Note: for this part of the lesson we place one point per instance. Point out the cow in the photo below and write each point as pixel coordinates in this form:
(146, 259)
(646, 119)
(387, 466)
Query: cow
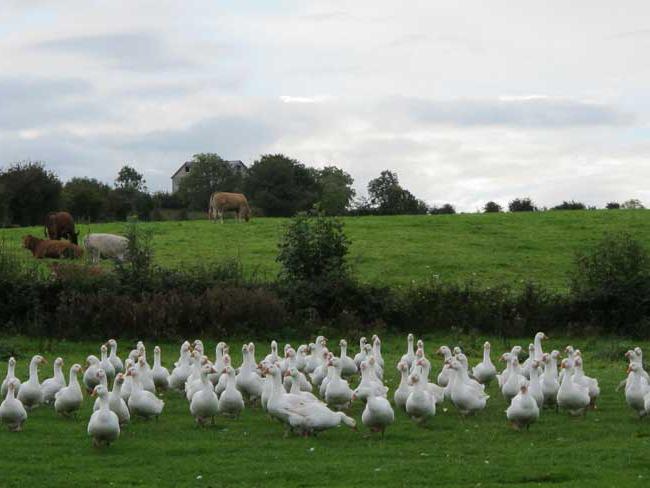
(106, 245)
(44, 248)
(223, 201)
(60, 225)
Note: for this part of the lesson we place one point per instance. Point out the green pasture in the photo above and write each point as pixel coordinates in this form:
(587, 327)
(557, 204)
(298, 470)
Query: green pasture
(396, 250)
(610, 447)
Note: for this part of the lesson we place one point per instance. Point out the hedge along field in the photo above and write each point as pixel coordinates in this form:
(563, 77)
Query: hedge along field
(609, 447)
(396, 250)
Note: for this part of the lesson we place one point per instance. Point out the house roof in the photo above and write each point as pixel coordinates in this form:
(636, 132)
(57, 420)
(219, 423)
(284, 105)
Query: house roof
(235, 163)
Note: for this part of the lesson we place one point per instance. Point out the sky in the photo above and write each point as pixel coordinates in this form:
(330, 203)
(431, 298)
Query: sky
(468, 101)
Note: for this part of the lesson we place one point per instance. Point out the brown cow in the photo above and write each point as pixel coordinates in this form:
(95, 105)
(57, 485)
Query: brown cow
(60, 225)
(223, 201)
(43, 248)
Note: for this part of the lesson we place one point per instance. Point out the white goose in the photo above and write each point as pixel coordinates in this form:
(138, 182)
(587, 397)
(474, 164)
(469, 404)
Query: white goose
(420, 404)
(404, 389)
(636, 390)
(51, 385)
(101, 376)
(550, 384)
(11, 375)
(409, 357)
(159, 374)
(143, 403)
(514, 380)
(205, 404)
(105, 363)
(376, 352)
(146, 375)
(438, 392)
(301, 357)
(534, 388)
(378, 414)
(69, 399)
(194, 382)
(127, 386)
(635, 357)
(485, 371)
(466, 399)
(361, 355)
(273, 356)
(90, 379)
(338, 393)
(348, 366)
(31, 394)
(248, 381)
(12, 411)
(115, 401)
(218, 365)
(445, 373)
(223, 377)
(295, 386)
(182, 369)
(104, 425)
(571, 396)
(523, 409)
(581, 379)
(114, 358)
(231, 401)
(368, 382)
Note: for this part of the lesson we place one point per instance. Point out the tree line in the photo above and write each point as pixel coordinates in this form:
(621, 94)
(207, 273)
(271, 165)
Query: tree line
(276, 186)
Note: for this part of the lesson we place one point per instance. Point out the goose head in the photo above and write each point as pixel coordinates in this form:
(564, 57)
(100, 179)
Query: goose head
(541, 336)
(343, 343)
(104, 350)
(119, 379)
(100, 391)
(402, 367)
(76, 368)
(92, 360)
(58, 362)
(38, 360)
(486, 346)
(442, 351)
(112, 343)
(516, 351)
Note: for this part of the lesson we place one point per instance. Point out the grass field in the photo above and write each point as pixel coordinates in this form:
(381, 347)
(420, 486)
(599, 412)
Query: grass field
(610, 447)
(491, 248)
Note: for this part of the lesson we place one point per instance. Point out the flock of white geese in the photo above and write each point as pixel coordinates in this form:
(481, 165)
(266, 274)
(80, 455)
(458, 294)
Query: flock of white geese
(308, 388)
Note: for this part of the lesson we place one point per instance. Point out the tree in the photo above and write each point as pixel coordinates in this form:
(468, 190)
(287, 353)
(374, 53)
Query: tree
(336, 192)
(389, 198)
(130, 180)
(492, 207)
(572, 205)
(633, 204)
(613, 206)
(209, 173)
(279, 186)
(522, 205)
(446, 209)
(163, 199)
(86, 198)
(30, 192)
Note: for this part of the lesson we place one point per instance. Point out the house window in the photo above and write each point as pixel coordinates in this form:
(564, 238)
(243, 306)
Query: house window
(187, 168)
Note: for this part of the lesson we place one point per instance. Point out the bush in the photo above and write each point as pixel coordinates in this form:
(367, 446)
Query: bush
(572, 205)
(613, 206)
(445, 209)
(611, 283)
(633, 204)
(522, 205)
(136, 272)
(492, 207)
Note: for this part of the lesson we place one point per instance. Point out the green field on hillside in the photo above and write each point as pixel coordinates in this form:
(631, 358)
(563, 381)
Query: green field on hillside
(490, 248)
(609, 447)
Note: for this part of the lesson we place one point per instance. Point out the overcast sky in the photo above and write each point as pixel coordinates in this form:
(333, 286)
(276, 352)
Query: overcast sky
(467, 100)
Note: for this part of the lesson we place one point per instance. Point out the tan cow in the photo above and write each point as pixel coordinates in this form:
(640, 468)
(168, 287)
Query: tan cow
(221, 202)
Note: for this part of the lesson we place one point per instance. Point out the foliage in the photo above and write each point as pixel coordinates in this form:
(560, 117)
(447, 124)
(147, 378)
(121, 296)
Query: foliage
(522, 205)
(492, 207)
(129, 180)
(137, 270)
(86, 199)
(446, 209)
(632, 204)
(209, 173)
(281, 186)
(613, 280)
(163, 199)
(387, 196)
(613, 206)
(570, 205)
(30, 192)
(336, 192)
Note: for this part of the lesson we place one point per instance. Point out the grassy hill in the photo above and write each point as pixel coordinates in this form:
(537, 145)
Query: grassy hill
(491, 248)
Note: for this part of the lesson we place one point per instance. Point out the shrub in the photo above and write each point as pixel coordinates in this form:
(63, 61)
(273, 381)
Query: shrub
(447, 208)
(136, 271)
(613, 206)
(611, 283)
(492, 207)
(522, 205)
(572, 205)
(632, 204)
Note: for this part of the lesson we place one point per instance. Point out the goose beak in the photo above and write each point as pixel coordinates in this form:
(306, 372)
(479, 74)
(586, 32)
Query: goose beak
(629, 370)
(544, 336)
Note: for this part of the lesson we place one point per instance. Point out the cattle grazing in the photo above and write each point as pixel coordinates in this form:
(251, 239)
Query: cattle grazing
(44, 248)
(59, 225)
(221, 202)
(106, 245)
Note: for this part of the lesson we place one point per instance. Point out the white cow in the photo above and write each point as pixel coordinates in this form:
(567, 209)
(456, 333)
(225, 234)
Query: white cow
(106, 245)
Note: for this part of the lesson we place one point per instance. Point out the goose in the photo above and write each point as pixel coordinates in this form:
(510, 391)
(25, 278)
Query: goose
(223, 378)
(194, 382)
(295, 385)
(218, 364)
(636, 390)
(101, 376)
(12, 411)
(146, 375)
(571, 396)
(205, 404)
(320, 373)
(570, 357)
(514, 380)
(328, 376)
(51, 385)
(69, 399)
(537, 343)
(90, 379)
(113, 357)
(303, 382)
(523, 409)
(438, 392)
(11, 367)
(159, 374)
(635, 357)
(143, 403)
(445, 373)
(182, 369)
(581, 379)
(464, 397)
(273, 356)
(248, 381)
(549, 382)
(337, 393)
(301, 357)
(348, 366)
(525, 368)
(471, 382)
(30, 393)
(115, 401)
(378, 414)
(231, 402)
(409, 357)
(198, 346)
(420, 404)
(106, 363)
(376, 351)
(507, 358)
(534, 388)
(404, 389)
(361, 355)
(485, 371)
(104, 425)
(368, 382)
(127, 386)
